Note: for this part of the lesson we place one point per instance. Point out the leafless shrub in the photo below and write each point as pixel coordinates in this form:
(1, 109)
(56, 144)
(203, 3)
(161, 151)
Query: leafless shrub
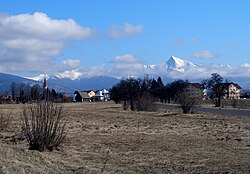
(146, 103)
(187, 102)
(5, 120)
(44, 125)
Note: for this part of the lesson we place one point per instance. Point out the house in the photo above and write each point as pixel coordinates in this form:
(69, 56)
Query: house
(232, 91)
(82, 96)
(102, 95)
(91, 93)
(196, 90)
(85, 96)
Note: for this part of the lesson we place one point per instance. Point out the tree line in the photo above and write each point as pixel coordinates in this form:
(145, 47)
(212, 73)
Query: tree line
(23, 93)
(141, 93)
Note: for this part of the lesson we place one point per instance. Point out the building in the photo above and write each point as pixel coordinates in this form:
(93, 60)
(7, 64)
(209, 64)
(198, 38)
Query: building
(83, 96)
(102, 95)
(196, 90)
(232, 91)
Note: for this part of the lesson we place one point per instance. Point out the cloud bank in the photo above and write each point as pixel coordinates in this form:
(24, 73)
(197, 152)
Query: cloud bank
(32, 41)
(130, 65)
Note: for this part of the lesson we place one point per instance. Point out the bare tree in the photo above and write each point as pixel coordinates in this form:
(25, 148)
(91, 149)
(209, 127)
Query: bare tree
(35, 92)
(146, 103)
(215, 87)
(173, 89)
(135, 92)
(127, 90)
(187, 102)
(14, 91)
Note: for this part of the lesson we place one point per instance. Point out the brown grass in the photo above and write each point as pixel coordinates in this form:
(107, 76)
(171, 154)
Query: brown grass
(103, 138)
(5, 119)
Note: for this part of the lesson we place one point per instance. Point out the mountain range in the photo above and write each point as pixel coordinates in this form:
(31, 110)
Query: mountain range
(172, 69)
(64, 85)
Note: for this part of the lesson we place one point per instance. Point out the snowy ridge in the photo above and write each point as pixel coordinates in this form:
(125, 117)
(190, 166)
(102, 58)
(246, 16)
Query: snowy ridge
(173, 67)
(65, 75)
(39, 78)
(175, 63)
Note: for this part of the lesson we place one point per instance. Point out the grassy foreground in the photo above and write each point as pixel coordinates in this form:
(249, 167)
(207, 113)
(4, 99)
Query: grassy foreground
(102, 138)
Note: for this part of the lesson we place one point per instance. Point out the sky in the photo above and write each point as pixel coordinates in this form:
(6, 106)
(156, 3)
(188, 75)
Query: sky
(94, 37)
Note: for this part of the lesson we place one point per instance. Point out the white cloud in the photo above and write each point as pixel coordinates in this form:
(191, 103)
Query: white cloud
(39, 25)
(132, 68)
(240, 71)
(127, 58)
(122, 66)
(30, 42)
(127, 65)
(205, 54)
(125, 30)
(93, 71)
(246, 65)
(73, 63)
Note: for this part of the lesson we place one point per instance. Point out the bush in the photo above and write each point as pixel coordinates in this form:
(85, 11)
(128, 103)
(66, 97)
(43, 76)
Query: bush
(146, 103)
(44, 125)
(187, 102)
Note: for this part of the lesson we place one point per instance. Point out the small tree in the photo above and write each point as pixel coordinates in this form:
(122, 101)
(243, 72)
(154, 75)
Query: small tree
(127, 90)
(116, 93)
(35, 92)
(157, 89)
(215, 87)
(14, 90)
(44, 125)
(187, 102)
(24, 92)
(173, 89)
(146, 103)
(133, 92)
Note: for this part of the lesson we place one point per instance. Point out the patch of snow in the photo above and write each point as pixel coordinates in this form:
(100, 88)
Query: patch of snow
(39, 78)
(73, 75)
(175, 63)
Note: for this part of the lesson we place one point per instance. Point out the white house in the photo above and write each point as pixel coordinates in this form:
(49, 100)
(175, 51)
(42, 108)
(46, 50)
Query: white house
(102, 95)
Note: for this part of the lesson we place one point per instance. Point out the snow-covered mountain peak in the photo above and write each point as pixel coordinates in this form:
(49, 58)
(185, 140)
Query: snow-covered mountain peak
(175, 63)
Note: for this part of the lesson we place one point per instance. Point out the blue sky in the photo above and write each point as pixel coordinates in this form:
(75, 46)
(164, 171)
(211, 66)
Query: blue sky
(149, 32)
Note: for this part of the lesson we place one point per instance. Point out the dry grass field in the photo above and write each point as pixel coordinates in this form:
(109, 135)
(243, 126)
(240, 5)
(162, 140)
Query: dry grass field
(102, 138)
